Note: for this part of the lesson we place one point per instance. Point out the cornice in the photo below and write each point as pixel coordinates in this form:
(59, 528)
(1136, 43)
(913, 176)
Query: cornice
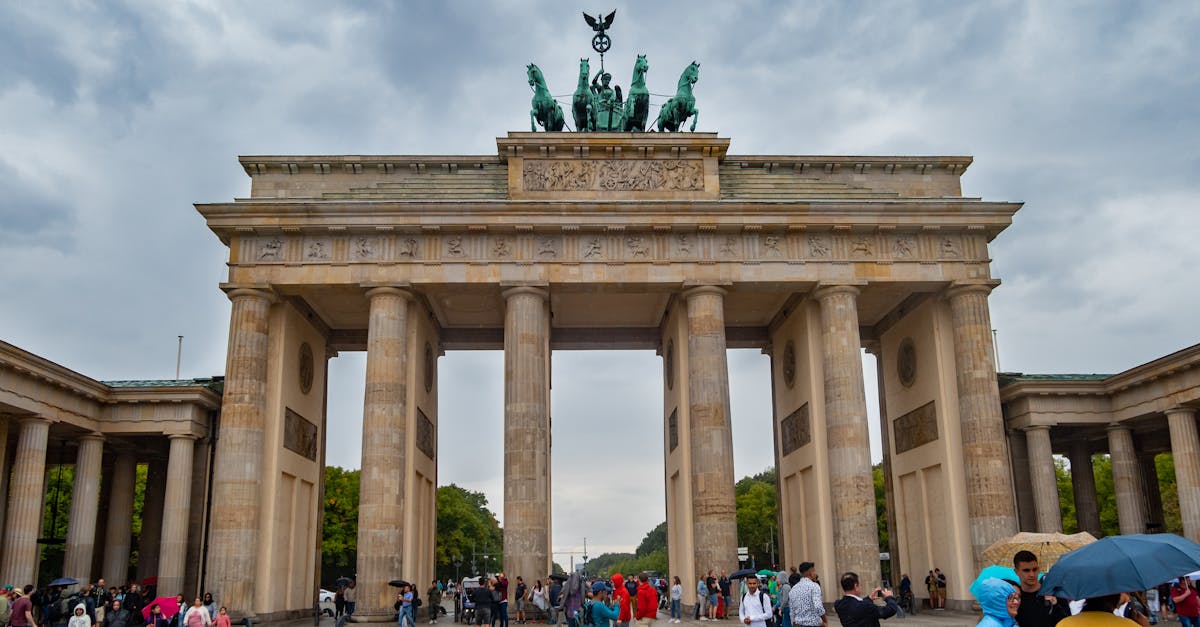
(43, 369)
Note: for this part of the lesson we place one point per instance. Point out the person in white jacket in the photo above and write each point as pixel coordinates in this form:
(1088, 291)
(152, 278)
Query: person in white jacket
(80, 618)
(755, 608)
(197, 615)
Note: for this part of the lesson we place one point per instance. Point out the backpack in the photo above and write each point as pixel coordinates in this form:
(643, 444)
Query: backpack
(416, 601)
(587, 612)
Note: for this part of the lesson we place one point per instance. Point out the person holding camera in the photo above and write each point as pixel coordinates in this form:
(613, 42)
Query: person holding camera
(854, 610)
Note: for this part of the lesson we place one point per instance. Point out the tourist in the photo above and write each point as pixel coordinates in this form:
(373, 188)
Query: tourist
(519, 595)
(599, 610)
(339, 601)
(1037, 610)
(631, 587)
(435, 601)
(118, 616)
(351, 595)
(1187, 606)
(1000, 602)
(1152, 605)
(805, 601)
(1133, 607)
(676, 600)
(22, 609)
(724, 584)
(5, 605)
(210, 605)
(854, 610)
(222, 619)
(940, 579)
(784, 589)
(906, 594)
(177, 620)
(482, 597)
(197, 615)
(701, 599)
(79, 617)
(554, 598)
(755, 607)
(713, 591)
(932, 587)
(100, 598)
(647, 602)
(500, 587)
(1098, 612)
(157, 618)
(133, 602)
(624, 600)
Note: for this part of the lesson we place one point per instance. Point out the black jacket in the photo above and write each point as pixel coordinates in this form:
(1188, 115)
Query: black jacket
(853, 612)
(1035, 611)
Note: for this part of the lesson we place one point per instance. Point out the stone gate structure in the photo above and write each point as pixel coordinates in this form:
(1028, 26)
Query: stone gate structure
(611, 241)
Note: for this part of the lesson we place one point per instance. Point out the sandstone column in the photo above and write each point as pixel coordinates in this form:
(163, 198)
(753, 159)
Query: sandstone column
(526, 434)
(237, 478)
(25, 503)
(1045, 485)
(119, 528)
(851, 487)
(991, 508)
(381, 488)
(714, 510)
(1185, 448)
(5, 470)
(176, 510)
(1126, 480)
(85, 507)
(1083, 485)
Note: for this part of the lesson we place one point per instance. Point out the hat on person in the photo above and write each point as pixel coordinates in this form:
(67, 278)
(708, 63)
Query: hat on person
(599, 586)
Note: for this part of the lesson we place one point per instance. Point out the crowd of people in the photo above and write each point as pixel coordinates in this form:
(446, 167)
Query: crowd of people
(95, 605)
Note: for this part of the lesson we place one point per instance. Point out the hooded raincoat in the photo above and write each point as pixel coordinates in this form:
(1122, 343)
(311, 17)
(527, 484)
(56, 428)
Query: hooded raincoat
(992, 595)
(622, 597)
(78, 618)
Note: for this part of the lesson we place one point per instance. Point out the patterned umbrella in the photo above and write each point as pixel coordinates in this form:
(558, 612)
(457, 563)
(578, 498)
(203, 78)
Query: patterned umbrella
(1048, 547)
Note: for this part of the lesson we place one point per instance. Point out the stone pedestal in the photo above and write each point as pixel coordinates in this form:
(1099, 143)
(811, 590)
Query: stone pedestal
(526, 434)
(118, 529)
(714, 511)
(237, 478)
(1041, 474)
(1083, 485)
(991, 510)
(1185, 448)
(855, 536)
(25, 503)
(381, 492)
(176, 508)
(1127, 482)
(85, 505)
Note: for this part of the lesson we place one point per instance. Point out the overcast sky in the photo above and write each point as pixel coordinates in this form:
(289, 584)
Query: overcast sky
(116, 116)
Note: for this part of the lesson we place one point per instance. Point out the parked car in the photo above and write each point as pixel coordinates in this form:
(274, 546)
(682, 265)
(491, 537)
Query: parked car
(325, 602)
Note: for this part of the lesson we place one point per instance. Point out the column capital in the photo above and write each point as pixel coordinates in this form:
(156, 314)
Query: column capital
(181, 436)
(828, 289)
(958, 288)
(696, 290)
(1116, 426)
(236, 291)
(393, 289)
(93, 436)
(1031, 428)
(1181, 409)
(535, 290)
(32, 419)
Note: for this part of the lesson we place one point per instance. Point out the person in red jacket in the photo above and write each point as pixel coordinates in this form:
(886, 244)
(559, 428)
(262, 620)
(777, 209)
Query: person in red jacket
(622, 596)
(647, 602)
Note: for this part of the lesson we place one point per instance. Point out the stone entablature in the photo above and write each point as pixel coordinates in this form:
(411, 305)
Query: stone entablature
(35, 386)
(1151, 388)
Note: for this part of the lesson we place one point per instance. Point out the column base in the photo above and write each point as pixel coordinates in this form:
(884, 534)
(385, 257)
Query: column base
(373, 616)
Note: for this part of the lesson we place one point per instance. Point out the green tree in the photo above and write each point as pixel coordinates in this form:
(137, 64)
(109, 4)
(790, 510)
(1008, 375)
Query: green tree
(881, 522)
(756, 519)
(339, 529)
(655, 540)
(464, 523)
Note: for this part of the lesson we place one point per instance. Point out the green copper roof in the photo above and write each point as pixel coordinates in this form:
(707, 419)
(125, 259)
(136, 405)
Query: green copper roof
(1007, 378)
(213, 383)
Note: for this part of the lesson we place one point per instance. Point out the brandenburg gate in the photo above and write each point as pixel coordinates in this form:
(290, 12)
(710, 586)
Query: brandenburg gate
(583, 240)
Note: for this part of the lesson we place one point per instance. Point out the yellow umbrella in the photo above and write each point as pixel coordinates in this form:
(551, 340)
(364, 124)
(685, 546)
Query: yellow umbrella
(1048, 547)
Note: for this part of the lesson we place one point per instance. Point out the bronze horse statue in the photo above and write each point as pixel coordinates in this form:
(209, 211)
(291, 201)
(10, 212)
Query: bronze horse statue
(637, 107)
(677, 110)
(545, 109)
(582, 107)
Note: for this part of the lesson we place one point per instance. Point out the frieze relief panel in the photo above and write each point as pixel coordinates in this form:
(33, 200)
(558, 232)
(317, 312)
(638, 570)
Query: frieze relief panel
(609, 175)
(616, 245)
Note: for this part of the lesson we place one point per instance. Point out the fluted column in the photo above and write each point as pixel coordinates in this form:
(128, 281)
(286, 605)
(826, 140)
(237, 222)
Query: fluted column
(714, 510)
(1083, 485)
(1045, 485)
(85, 507)
(176, 509)
(1126, 480)
(381, 488)
(991, 508)
(526, 433)
(851, 487)
(118, 529)
(5, 471)
(237, 477)
(25, 503)
(1185, 448)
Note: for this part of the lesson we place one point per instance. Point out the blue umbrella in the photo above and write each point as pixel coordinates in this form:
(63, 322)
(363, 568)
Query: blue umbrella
(1121, 564)
(743, 573)
(64, 581)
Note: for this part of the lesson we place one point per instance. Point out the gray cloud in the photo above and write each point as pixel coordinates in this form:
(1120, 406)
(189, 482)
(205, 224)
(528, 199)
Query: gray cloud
(118, 116)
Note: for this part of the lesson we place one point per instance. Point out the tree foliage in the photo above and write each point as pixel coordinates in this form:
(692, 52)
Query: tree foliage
(467, 529)
(339, 531)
